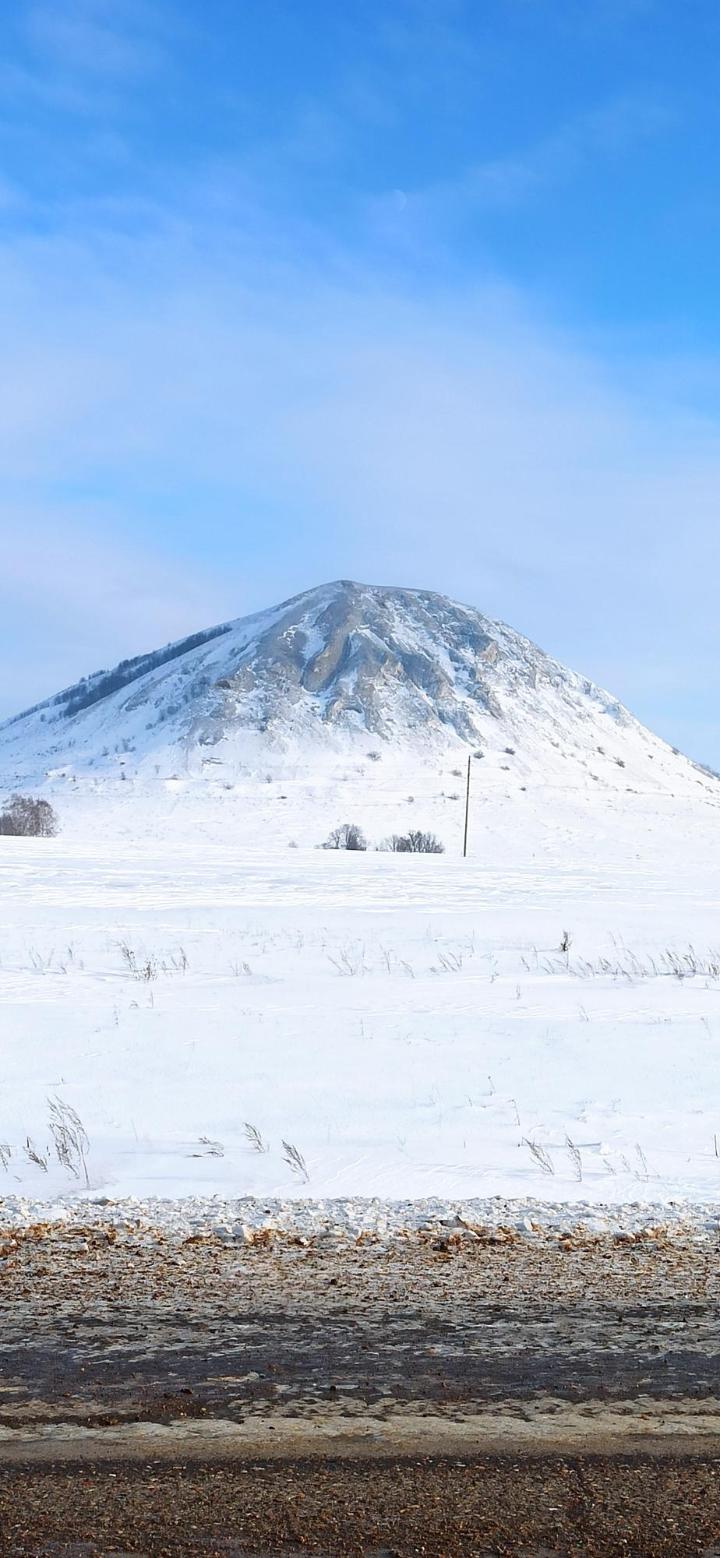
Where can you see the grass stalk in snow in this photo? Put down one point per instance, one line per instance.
(576, 1157)
(254, 1138)
(295, 1160)
(541, 1156)
(70, 1138)
(33, 1156)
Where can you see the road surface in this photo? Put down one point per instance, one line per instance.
(450, 1391)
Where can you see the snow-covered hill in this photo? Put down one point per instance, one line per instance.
(414, 1025)
(344, 681)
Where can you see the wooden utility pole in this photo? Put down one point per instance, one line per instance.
(467, 810)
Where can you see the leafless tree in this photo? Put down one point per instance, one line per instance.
(28, 816)
(348, 836)
(416, 842)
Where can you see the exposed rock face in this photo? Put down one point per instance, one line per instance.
(351, 652)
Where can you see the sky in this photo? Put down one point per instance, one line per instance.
(415, 292)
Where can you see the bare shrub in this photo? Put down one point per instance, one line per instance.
(28, 816)
(416, 842)
(349, 960)
(348, 836)
(147, 967)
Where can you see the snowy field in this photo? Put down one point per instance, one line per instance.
(224, 1021)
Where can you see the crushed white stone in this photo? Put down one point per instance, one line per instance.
(234, 1220)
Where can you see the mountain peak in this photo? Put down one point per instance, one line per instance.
(334, 669)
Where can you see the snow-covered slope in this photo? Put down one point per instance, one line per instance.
(409, 1023)
(343, 672)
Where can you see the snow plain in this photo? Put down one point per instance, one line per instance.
(408, 1024)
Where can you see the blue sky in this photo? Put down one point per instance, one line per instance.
(412, 291)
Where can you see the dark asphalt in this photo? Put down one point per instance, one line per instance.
(591, 1506)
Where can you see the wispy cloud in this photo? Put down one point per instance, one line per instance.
(74, 61)
(33, 86)
(73, 577)
(117, 38)
(604, 132)
(270, 425)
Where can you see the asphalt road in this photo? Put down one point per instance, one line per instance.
(443, 1393)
